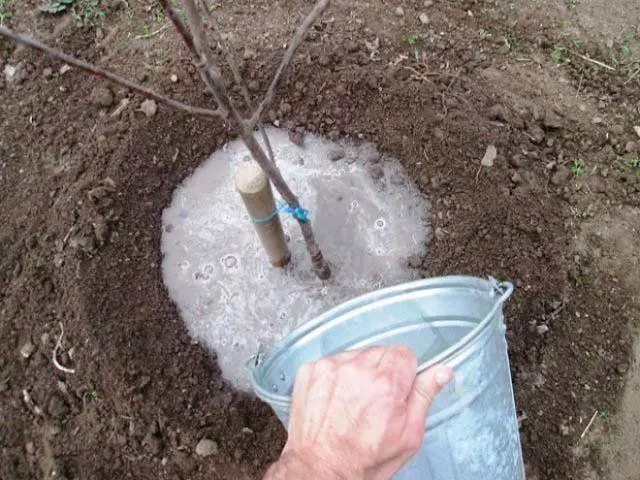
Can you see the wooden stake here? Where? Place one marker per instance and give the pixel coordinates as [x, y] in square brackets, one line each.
[254, 187]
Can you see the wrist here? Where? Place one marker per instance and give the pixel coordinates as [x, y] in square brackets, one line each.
[294, 465]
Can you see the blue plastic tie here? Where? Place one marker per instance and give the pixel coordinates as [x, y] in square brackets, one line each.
[300, 213]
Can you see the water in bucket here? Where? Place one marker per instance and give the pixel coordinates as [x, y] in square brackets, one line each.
[472, 431]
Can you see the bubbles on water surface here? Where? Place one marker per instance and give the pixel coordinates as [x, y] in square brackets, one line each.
[239, 302]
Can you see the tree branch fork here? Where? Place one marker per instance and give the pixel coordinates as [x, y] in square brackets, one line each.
[193, 34]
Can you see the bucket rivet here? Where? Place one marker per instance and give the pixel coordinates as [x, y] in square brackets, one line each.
[282, 376]
[275, 387]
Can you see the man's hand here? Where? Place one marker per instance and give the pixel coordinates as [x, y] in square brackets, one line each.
[358, 416]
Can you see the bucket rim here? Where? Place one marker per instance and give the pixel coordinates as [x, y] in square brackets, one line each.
[500, 290]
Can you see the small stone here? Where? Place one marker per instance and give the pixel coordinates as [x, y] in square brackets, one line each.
[536, 134]
[552, 120]
[399, 11]
[174, 78]
[336, 154]
[438, 133]
[597, 120]
[489, 156]
[561, 175]
[617, 129]
[564, 430]
[206, 448]
[517, 160]
[58, 260]
[350, 46]
[424, 18]
[101, 97]
[9, 72]
[498, 112]
[622, 368]
[249, 54]
[47, 72]
[637, 130]
[428, 3]
[542, 329]
[415, 261]
[30, 448]
[516, 178]
[149, 108]
[27, 350]
[440, 233]
[630, 147]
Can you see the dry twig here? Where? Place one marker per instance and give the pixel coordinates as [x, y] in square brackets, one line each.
[596, 62]
[593, 417]
[112, 77]
[632, 76]
[54, 355]
[195, 40]
[152, 34]
[31, 405]
[215, 27]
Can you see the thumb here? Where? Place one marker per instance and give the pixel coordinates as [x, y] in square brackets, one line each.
[425, 388]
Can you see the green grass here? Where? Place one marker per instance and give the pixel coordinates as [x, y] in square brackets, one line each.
[414, 40]
[578, 168]
[86, 13]
[629, 164]
[605, 415]
[5, 13]
[559, 53]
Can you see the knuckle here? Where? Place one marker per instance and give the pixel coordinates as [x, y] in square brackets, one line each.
[384, 385]
[403, 355]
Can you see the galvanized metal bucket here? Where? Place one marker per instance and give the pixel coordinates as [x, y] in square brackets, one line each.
[472, 431]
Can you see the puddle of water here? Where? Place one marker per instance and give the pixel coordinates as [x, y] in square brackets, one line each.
[215, 270]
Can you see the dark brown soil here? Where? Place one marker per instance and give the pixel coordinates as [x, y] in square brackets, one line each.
[82, 194]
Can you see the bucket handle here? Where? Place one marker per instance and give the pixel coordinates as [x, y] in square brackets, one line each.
[504, 289]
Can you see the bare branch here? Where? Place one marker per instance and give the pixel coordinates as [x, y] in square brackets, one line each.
[207, 70]
[112, 77]
[320, 266]
[318, 10]
[215, 27]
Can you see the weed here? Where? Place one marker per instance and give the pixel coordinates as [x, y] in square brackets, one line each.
[54, 7]
[414, 40]
[625, 49]
[145, 29]
[5, 14]
[629, 164]
[88, 13]
[605, 415]
[578, 168]
[484, 34]
[582, 214]
[158, 14]
[559, 53]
